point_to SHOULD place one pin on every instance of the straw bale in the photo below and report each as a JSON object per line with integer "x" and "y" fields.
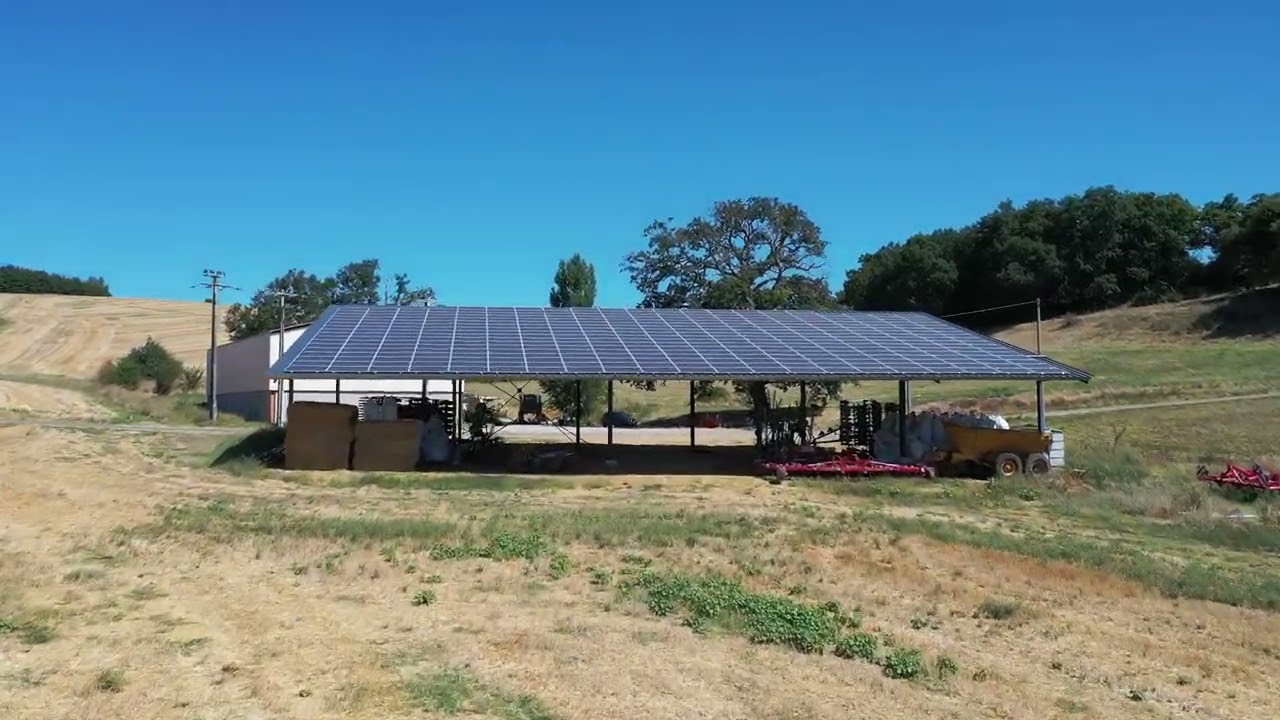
{"x": 318, "y": 413}
{"x": 393, "y": 445}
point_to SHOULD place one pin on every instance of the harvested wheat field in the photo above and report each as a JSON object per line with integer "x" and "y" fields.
{"x": 136, "y": 584}
{"x": 72, "y": 336}
{"x": 43, "y": 401}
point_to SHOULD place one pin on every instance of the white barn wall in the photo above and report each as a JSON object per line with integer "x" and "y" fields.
{"x": 244, "y": 388}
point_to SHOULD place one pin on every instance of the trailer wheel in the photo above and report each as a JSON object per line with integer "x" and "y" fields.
{"x": 1037, "y": 464}
{"x": 1008, "y": 465}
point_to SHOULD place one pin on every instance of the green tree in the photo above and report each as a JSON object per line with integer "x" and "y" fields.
{"x": 758, "y": 253}
{"x": 1089, "y": 251}
{"x": 575, "y": 286}
{"x": 354, "y": 283}
{"x": 15, "y": 279}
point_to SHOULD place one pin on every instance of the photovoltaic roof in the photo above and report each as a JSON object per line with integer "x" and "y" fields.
{"x": 353, "y": 341}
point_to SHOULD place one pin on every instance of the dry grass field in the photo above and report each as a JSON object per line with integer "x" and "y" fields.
{"x": 72, "y": 336}
{"x": 137, "y": 580}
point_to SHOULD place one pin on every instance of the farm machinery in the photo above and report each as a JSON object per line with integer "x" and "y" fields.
{"x": 948, "y": 445}
{"x": 849, "y": 463}
{"x": 1239, "y": 477}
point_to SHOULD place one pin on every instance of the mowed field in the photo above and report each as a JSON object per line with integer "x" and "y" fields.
{"x": 136, "y": 581}
{"x": 143, "y": 576}
{"x": 66, "y": 336}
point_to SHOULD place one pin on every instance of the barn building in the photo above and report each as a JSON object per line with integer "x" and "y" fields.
{"x": 245, "y": 390}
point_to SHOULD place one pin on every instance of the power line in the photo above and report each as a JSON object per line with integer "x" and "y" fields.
{"x": 997, "y": 307}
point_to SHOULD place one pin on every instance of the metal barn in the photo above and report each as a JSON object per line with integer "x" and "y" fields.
{"x": 245, "y": 390}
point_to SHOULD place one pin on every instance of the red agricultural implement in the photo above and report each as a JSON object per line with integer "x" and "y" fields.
{"x": 1237, "y": 476}
{"x": 841, "y": 465}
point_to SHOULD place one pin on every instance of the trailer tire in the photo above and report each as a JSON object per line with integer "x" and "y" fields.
{"x": 1007, "y": 465}
{"x": 1037, "y": 464}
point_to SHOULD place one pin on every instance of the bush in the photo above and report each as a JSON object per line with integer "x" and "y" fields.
{"x": 149, "y": 361}
{"x": 1119, "y": 465}
{"x": 904, "y": 664}
{"x": 125, "y": 373}
{"x": 859, "y": 645}
{"x": 192, "y": 378}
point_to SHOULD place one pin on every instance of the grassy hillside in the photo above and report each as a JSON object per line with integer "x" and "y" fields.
{"x": 72, "y": 336}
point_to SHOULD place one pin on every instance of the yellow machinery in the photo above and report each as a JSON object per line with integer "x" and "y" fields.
{"x": 1003, "y": 453}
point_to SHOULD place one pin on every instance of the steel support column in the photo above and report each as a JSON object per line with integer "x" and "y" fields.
{"x": 577, "y": 413}
{"x": 904, "y": 407}
{"x": 609, "y": 410}
{"x": 337, "y": 390}
{"x": 804, "y": 411}
{"x": 693, "y": 410}
{"x": 1042, "y": 420}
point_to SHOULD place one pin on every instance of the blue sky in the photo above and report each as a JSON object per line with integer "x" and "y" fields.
{"x": 474, "y": 144}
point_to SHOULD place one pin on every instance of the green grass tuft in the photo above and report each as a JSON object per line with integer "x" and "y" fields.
{"x": 712, "y": 602}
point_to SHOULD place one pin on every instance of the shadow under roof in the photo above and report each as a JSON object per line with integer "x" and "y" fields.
{"x": 381, "y": 341}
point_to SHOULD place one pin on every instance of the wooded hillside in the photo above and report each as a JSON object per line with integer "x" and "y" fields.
{"x": 1079, "y": 253}
{"x": 14, "y": 279}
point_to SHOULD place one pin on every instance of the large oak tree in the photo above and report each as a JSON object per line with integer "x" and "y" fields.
{"x": 755, "y": 253}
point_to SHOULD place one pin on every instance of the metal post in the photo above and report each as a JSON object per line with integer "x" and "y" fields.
{"x": 453, "y": 399}
{"x": 337, "y": 390}
{"x": 804, "y": 412}
{"x": 1042, "y": 422}
{"x": 282, "y": 295}
{"x": 693, "y": 415}
{"x": 577, "y": 413}
{"x": 1038, "y": 352}
{"x": 904, "y": 406}
{"x": 290, "y": 393}
{"x": 424, "y": 388}
{"x": 609, "y": 410}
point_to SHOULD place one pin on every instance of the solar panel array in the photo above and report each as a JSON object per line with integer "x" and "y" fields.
{"x": 549, "y": 343}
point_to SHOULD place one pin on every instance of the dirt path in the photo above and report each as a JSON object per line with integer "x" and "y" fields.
{"x": 1163, "y": 404}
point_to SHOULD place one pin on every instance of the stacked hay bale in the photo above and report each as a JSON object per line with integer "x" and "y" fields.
{"x": 387, "y": 445}
{"x": 319, "y": 436}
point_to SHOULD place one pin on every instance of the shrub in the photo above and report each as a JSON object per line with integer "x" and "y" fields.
{"x": 904, "y": 663}
{"x": 1119, "y": 465}
{"x": 192, "y": 378}
{"x": 423, "y": 597}
{"x": 859, "y": 645}
{"x": 998, "y": 609}
{"x": 713, "y": 601}
{"x": 124, "y": 373}
{"x": 149, "y": 361}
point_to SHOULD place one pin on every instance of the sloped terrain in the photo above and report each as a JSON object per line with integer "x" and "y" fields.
{"x": 72, "y": 336}
{"x": 1253, "y": 315}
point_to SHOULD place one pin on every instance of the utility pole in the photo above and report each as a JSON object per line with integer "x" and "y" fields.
{"x": 1042, "y": 422}
{"x": 282, "y": 296}
{"x": 1038, "y": 352}
{"x": 214, "y": 283}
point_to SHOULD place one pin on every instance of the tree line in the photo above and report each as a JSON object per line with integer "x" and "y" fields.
{"x": 15, "y": 279}
{"x": 307, "y": 295}
{"x": 1102, "y": 248}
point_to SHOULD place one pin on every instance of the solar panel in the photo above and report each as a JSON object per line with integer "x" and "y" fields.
{"x": 677, "y": 344}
